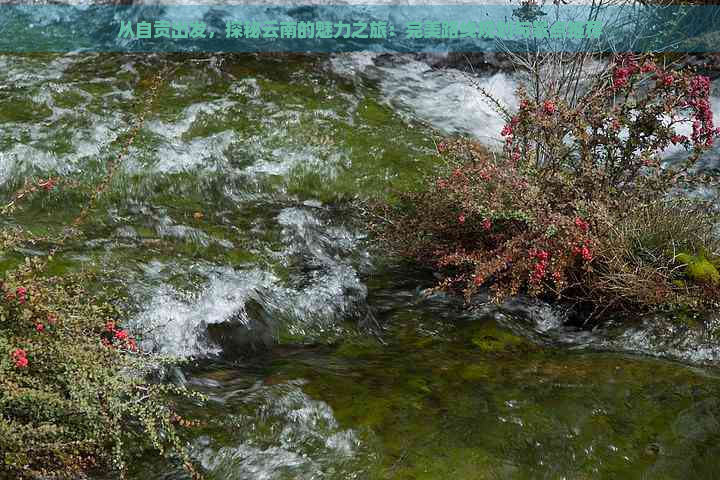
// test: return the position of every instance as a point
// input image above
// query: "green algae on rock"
(699, 269)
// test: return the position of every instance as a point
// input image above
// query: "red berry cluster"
(20, 294)
(549, 107)
(582, 224)
(583, 251)
(698, 99)
(48, 184)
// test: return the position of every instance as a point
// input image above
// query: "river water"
(233, 231)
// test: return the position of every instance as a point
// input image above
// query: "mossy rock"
(699, 269)
(493, 339)
(475, 372)
(355, 348)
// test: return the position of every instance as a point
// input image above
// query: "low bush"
(74, 390)
(579, 205)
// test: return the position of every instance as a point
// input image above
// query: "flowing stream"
(233, 229)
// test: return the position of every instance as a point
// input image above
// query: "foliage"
(74, 393)
(578, 204)
(487, 221)
(612, 140)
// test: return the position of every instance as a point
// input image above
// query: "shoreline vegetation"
(580, 206)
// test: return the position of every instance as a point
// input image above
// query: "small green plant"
(656, 254)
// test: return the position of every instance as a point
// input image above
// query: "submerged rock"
(489, 338)
(246, 332)
(475, 62)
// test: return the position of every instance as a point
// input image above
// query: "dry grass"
(637, 258)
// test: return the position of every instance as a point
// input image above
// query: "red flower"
(539, 268)
(461, 218)
(582, 224)
(21, 292)
(542, 255)
(507, 130)
(700, 86)
(39, 327)
(620, 77)
(539, 272)
(47, 184)
(584, 251)
(675, 139)
(486, 224)
(19, 356)
(668, 79)
(549, 107)
(648, 67)
(121, 334)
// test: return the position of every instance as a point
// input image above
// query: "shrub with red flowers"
(556, 213)
(487, 222)
(609, 147)
(612, 140)
(75, 392)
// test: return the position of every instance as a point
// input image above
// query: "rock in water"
(248, 331)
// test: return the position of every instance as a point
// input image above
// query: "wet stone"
(245, 333)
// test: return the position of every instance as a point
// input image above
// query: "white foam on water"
(314, 302)
(166, 227)
(302, 440)
(175, 154)
(174, 322)
(447, 99)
